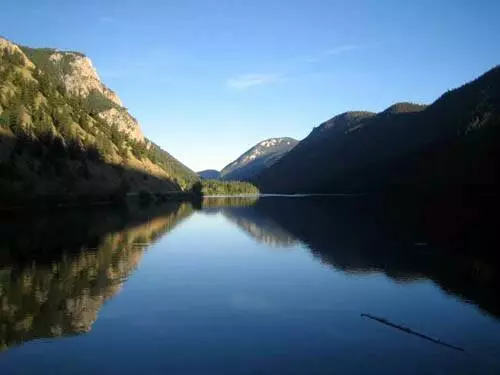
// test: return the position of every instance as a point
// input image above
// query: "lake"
(277, 285)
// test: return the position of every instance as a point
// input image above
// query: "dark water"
(276, 286)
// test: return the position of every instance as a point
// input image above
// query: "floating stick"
(412, 332)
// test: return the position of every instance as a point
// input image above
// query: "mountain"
(64, 133)
(209, 174)
(448, 146)
(259, 157)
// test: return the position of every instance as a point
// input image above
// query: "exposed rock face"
(125, 122)
(82, 78)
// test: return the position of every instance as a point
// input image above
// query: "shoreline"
(60, 202)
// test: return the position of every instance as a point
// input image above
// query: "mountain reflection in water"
(452, 243)
(244, 213)
(58, 269)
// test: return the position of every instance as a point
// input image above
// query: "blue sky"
(209, 79)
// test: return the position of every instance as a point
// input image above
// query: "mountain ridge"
(399, 148)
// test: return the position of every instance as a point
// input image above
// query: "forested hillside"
(63, 132)
(215, 187)
(449, 146)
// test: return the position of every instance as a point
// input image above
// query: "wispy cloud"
(292, 68)
(245, 81)
(345, 48)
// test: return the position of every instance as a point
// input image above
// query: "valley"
(249, 188)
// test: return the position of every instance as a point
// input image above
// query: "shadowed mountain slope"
(449, 146)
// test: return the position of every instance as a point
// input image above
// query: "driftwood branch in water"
(412, 332)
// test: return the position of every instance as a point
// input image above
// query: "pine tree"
(15, 122)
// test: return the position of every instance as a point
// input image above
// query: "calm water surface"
(241, 287)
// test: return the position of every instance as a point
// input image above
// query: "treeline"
(216, 187)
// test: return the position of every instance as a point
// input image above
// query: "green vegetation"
(96, 102)
(149, 150)
(52, 138)
(36, 104)
(41, 58)
(216, 187)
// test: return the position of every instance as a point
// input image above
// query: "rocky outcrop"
(124, 121)
(81, 78)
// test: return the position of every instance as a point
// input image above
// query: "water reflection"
(57, 270)
(242, 212)
(439, 241)
(263, 229)
(214, 202)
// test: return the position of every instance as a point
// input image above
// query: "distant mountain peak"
(209, 174)
(271, 142)
(260, 156)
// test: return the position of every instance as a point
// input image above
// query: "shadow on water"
(58, 269)
(452, 242)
